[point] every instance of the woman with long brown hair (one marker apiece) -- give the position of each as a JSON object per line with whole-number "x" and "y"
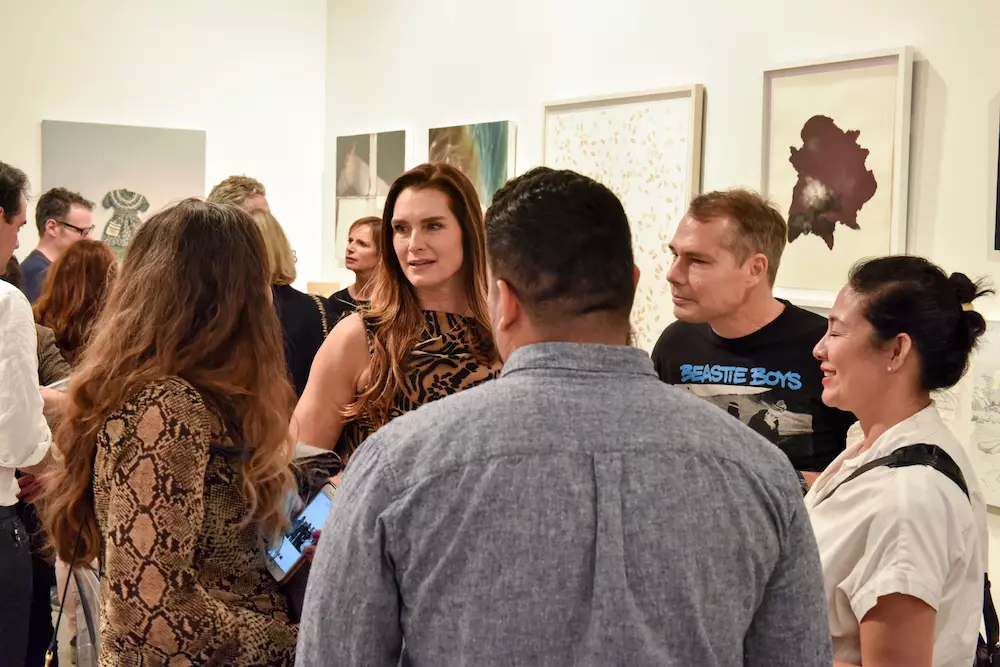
{"x": 175, "y": 448}
{"x": 426, "y": 332}
{"x": 73, "y": 293}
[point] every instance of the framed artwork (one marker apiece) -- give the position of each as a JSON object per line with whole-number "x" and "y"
{"x": 367, "y": 164}
{"x": 835, "y": 158}
{"x": 984, "y": 442}
{"x": 996, "y": 229}
{"x": 128, "y": 172}
{"x": 646, "y": 147}
{"x": 482, "y": 151}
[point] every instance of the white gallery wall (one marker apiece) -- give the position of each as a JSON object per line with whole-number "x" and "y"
{"x": 251, "y": 73}
{"x": 414, "y": 65}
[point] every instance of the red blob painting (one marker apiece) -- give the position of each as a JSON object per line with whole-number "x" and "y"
{"x": 833, "y": 183}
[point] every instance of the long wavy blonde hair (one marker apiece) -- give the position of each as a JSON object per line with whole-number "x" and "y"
{"x": 399, "y": 322}
{"x": 192, "y": 300}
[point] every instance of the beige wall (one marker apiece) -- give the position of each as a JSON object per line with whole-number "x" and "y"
{"x": 442, "y": 62}
{"x": 251, "y": 73}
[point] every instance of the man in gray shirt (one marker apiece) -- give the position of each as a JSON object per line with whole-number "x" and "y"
{"x": 576, "y": 511}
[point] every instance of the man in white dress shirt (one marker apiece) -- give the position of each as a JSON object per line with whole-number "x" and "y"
{"x": 24, "y": 434}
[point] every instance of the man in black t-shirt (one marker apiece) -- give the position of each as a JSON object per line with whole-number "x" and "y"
{"x": 736, "y": 345}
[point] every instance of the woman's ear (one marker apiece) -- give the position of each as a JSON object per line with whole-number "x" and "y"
{"x": 901, "y": 349}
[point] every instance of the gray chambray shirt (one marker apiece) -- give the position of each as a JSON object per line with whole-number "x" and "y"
{"x": 575, "y": 511}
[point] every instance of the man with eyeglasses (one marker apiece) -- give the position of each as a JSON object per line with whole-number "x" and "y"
{"x": 63, "y": 218}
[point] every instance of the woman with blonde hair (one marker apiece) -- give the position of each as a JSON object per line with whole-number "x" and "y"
{"x": 73, "y": 293}
{"x": 175, "y": 449}
{"x": 306, "y": 319}
{"x": 426, "y": 332}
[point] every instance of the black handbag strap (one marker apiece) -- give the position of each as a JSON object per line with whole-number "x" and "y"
{"x": 937, "y": 458}
{"x": 914, "y": 455}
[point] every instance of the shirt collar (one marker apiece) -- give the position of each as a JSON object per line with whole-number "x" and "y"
{"x": 923, "y": 424}
{"x": 925, "y": 427}
{"x": 587, "y": 357}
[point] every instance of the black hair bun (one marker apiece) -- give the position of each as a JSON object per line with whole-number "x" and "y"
{"x": 967, "y": 291}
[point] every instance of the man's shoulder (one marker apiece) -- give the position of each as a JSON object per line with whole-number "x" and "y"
{"x": 678, "y": 329}
{"x": 680, "y": 333}
{"x": 35, "y": 261}
{"x": 799, "y": 319}
{"x": 459, "y": 429}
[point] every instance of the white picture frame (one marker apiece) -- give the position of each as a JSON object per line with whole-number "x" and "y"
{"x": 653, "y": 310}
{"x": 901, "y": 59}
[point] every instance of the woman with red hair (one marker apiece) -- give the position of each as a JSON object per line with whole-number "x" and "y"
{"x": 74, "y": 293}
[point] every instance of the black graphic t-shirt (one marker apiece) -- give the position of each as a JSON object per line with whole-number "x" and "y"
{"x": 768, "y": 380}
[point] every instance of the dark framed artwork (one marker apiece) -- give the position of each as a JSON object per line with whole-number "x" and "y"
{"x": 996, "y": 224}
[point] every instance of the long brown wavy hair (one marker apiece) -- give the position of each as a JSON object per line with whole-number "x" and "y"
{"x": 193, "y": 301}
{"x": 393, "y": 306}
{"x": 74, "y": 292}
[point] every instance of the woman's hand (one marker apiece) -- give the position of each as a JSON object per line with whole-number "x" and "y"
{"x": 310, "y": 551}
{"x": 55, "y": 402}
{"x": 31, "y": 488}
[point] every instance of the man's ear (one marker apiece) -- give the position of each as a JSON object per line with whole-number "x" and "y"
{"x": 758, "y": 267}
{"x": 635, "y": 276}
{"x": 509, "y": 306}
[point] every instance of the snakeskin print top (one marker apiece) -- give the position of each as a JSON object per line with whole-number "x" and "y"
{"x": 444, "y": 362}
{"x": 182, "y": 583}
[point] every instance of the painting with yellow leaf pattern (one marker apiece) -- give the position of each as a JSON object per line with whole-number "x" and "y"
{"x": 646, "y": 147}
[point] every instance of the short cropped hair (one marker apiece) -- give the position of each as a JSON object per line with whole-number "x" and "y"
{"x": 55, "y": 205}
{"x": 13, "y": 184}
{"x": 280, "y": 258}
{"x": 236, "y": 190}
{"x": 562, "y": 242}
{"x": 756, "y": 225}
{"x": 374, "y": 222}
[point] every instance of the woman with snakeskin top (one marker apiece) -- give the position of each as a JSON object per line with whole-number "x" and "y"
{"x": 425, "y": 333}
{"x": 175, "y": 449}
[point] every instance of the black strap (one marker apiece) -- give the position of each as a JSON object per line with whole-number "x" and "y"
{"x": 990, "y": 620}
{"x": 913, "y": 455}
{"x": 50, "y": 652}
{"x": 937, "y": 458}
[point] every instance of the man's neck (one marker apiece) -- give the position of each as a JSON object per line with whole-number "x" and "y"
{"x": 46, "y": 248}
{"x": 595, "y": 329}
{"x": 759, "y": 311}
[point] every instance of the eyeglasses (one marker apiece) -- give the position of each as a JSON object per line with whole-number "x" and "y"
{"x": 82, "y": 231}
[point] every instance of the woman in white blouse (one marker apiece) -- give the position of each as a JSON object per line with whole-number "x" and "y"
{"x": 903, "y": 549}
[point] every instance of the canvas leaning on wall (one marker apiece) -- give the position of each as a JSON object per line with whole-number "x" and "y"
{"x": 367, "y": 165}
{"x": 835, "y": 159}
{"x": 128, "y": 172}
{"x": 482, "y": 151}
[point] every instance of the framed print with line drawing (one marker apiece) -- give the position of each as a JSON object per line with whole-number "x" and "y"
{"x": 835, "y": 155}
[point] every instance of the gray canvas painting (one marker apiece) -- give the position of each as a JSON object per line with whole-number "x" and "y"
{"x": 129, "y": 172}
